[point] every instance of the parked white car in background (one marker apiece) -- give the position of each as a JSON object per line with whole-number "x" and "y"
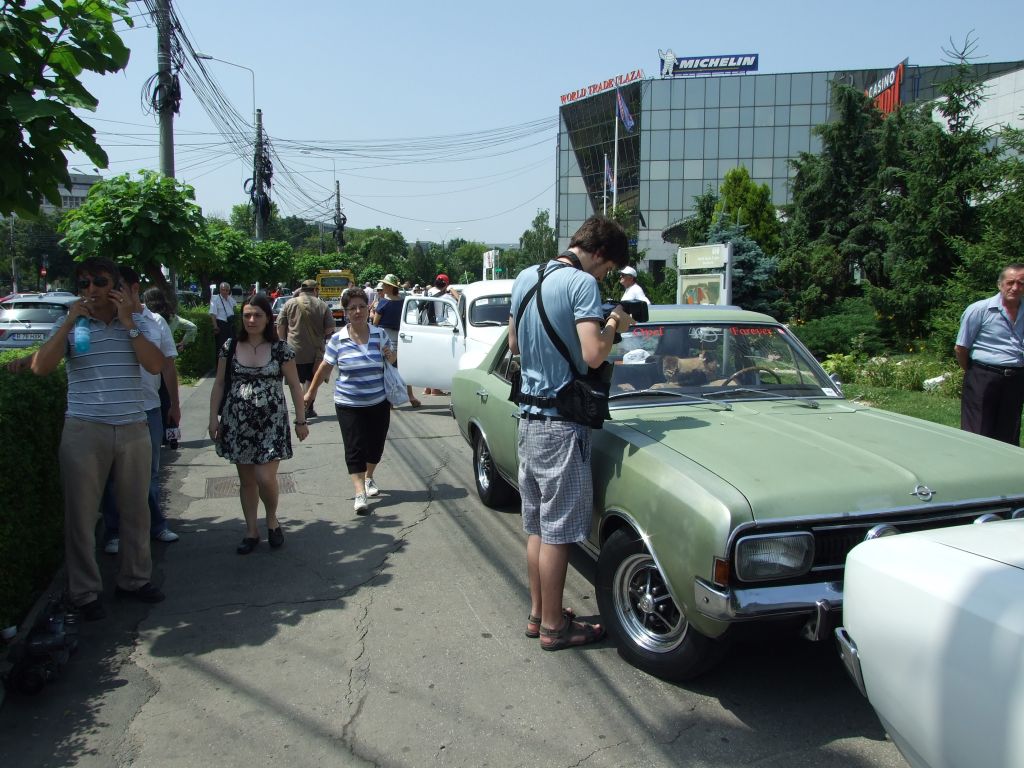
{"x": 933, "y": 635}
{"x": 439, "y": 335}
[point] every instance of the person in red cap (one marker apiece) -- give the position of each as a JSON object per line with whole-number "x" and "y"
{"x": 440, "y": 288}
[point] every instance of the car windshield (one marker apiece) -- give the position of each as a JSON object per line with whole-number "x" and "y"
{"x": 33, "y": 313}
{"x": 490, "y": 310}
{"x": 723, "y": 361}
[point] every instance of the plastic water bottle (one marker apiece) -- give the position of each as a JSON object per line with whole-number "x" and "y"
{"x": 83, "y": 337}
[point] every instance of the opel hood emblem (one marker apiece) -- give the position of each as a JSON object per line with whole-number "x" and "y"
{"x": 923, "y": 492}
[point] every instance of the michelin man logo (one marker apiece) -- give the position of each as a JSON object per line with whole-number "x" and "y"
{"x": 668, "y": 62}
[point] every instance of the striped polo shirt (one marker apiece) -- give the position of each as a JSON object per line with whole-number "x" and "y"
{"x": 360, "y": 369}
{"x": 104, "y": 384}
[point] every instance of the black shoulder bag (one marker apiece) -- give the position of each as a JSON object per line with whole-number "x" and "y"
{"x": 584, "y": 400}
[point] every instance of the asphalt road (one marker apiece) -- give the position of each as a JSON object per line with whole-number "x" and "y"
{"x": 397, "y": 640}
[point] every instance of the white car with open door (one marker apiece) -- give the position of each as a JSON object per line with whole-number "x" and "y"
{"x": 440, "y": 335}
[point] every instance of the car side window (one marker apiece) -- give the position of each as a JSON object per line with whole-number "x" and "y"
{"x": 506, "y": 365}
{"x": 412, "y": 312}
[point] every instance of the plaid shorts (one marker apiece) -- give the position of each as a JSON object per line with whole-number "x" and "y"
{"x": 555, "y": 481}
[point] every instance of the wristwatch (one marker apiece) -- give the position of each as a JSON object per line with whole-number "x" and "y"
{"x": 133, "y": 333}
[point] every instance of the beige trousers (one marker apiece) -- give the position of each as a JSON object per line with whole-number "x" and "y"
{"x": 89, "y": 452}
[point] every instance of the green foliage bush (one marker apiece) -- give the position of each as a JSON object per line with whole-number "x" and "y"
{"x": 853, "y": 327}
{"x": 197, "y": 358}
{"x": 32, "y": 513}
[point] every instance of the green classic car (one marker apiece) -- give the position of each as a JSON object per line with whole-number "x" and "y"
{"x": 734, "y": 478}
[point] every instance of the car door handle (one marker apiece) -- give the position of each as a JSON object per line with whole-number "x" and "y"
{"x": 482, "y": 394}
{"x": 405, "y": 336}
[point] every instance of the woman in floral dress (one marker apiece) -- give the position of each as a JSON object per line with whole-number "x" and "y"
{"x": 250, "y": 426}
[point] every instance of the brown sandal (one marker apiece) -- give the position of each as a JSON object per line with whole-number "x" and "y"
{"x": 569, "y": 635}
{"x": 533, "y": 622}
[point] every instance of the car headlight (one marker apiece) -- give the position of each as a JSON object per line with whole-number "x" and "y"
{"x": 774, "y": 556}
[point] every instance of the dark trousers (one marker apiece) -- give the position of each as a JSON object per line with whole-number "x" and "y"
{"x": 991, "y": 404}
{"x": 225, "y": 331}
{"x": 364, "y": 432}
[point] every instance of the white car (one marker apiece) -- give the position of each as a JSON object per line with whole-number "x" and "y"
{"x": 439, "y": 336}
{"x": 933, "y": 635}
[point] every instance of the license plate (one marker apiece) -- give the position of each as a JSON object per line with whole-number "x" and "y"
{"x": 28, "y": 336}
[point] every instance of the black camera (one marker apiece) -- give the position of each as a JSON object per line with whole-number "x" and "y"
{"x": 638, "y": 310}
{"x": 40, "y": 658}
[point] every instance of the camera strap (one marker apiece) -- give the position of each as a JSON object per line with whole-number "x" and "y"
{"x": 524, "y": 399}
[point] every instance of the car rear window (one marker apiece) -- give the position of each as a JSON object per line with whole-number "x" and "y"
{"x": 490, "y": 310}
{"x": 34, "y": 313}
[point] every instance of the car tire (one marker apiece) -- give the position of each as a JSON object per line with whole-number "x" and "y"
{"x": 649, "y": 629}
{"x": 490, "y": 486}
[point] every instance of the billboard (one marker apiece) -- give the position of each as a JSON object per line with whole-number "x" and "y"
{"x": 672, "y": 65}
{"x": 885, "y": 92}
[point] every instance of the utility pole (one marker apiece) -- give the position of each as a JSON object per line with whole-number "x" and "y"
{"x": 339, "y": 218}
{"x": 165, "y": 104}
{"x": 257, "y": 176}
{"x": 14, "y": 262}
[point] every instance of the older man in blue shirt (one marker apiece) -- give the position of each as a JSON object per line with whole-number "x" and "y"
{"x": 990, "y": 349}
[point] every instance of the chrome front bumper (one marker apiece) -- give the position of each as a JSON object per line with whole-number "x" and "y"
{"x": 821, "y": 602}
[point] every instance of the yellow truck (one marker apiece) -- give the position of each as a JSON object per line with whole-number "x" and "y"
{"x": 332, "y": 283}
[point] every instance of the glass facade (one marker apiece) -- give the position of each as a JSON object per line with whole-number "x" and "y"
{"x": 690, "y": 131}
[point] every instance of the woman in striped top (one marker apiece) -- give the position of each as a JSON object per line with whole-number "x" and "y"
{"x": 364, "y": 414}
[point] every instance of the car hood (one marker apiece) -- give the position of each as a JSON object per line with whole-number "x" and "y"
{"x": 790, "y": 460}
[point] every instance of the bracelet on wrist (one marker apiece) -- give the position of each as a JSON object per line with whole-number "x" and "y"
{"x": 300, "y": 423}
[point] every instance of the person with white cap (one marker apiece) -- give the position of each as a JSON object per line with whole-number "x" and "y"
{"x": 631, "y": 288}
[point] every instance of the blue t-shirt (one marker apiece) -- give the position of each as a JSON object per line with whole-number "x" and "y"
{"x": 570, "y": 295}
{"x": 390, "y": 311}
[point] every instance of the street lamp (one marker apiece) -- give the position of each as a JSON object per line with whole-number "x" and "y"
{"x": 252, "y": 77}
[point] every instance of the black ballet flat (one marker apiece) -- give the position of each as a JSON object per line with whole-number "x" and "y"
{"x": 247, "y": 546}
{"x": 275, "y": 537}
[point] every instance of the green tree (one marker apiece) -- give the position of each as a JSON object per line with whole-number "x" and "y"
{"x": 45, "y": 50}
{"x": 419, "y": 266}
{"x": 537, "y": 244}
{"x": 146, "y": 222}
{"x": 307, "y": 264}
{"x": 753, "y": 271}
{"x": 693, "y": 230}
{"x": 749, "y": 205}
{"x": 35, "y": 242}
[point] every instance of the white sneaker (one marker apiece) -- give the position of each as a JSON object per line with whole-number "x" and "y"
{"x": 112, "y": 547}
{"x": 371, "y": 488}
{"x": 166, "y": 535}
{"x": 360, "y": 505}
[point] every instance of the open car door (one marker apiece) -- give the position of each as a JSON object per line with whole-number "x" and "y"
{"x": 431, "y": 339}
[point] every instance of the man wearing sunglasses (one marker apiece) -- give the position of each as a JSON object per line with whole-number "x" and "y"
{"x": 105, "y": 433}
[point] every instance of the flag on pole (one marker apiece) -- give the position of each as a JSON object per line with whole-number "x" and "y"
{"x": 608, "y": 175}
{"x": 623, "y": 111}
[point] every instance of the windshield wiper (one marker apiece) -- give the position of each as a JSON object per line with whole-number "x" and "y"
{"x": 667, "y": 393}
{"x": 766, "y": 393}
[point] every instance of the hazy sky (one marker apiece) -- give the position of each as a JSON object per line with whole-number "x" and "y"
{"x": 365, "y": 83}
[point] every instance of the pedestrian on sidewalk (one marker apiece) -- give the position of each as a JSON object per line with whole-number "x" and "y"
{"x": 364, "y": 414}
{"x": 306, "y": 322}
{"x": 157, "y": 331}
{"x": 222, "y": 313}
{"x": 105, "y": 432}
{"x": 249, "y": 416}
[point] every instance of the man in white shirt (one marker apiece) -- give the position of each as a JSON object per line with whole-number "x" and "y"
{"x": 222, "y": 313}
{"x": 631, "y": 288}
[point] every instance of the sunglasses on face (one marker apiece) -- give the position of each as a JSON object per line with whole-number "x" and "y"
{"x": 99, "y": 281}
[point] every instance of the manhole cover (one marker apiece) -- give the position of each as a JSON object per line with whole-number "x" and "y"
{"x": 227, "y": 487}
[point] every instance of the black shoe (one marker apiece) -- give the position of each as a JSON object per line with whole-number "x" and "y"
{"x": 91, "y": 611}
{"x": 247, "y": 546}
{"x": 310, "y": 413}
{"x": 275, "y": 537}
{"x": 147, "y": 593}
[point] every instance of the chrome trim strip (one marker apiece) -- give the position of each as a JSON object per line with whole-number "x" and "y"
{"x": 759, "y": 602}
{"x": 851, "y": 659}
{"x": 631, "y": 521}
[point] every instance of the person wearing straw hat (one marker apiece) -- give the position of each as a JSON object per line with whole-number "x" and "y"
{"x": 387, "y": 316}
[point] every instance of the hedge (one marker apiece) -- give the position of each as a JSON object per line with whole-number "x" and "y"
{"x": 31, "y": 500}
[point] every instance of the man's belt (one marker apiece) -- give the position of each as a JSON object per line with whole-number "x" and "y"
{"x": 1008, "y": 371}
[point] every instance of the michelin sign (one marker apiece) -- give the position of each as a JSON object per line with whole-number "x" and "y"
{"x": 672, "y": 65}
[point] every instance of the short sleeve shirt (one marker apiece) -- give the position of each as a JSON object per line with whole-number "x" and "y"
{"x": 992, "y": 338}
{"x": 570, "y": 295}
{"x": 360, "y": 380}
{"x": 306, "y": 320}
{"x": 159, "y": 334}
{"x": 221, "y": 308}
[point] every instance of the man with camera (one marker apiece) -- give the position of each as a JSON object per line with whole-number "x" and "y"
{"x": 554, "y": 449}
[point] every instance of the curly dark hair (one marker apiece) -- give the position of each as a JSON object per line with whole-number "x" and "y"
{"x": 604, "y": 238}
{"x": 354, "y": 292}
{"x": 270, "y": 331}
